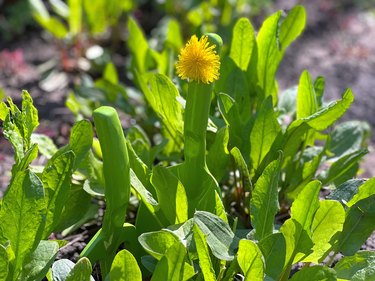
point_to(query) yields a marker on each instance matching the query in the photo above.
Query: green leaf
(56, 179)
(358, 226)
(60, 8)
(316, 273)
(250, 259)
(329, 114)
(328, 221)
(162, 96)
(60, 269)
(205, 262)
(306, 98)
(138, 45)
(81, 271)
(45, 144)
(78, 209)
(365, 190)
(81, 140)
(219, 236)
(345, 191)
(264, 203)
(348, 137)
(343, 166)
(218, 154)
(273, 248)
(53, 26)
(75, 16)
(38, 8)
(297, 241)
(319, 85)
(350, 267)
(157, 243)
(171, 195)
(171, 266)
(110, 73)
(243, 40)
(4, 264)
(272, 40)
(37, 264)
(125, 267)
(4, 111)
(263, 133)
(29, 118)
(269, 54)
(22, 216)
(146, 196)
(292, 26)
(304, 207)
(242, 167)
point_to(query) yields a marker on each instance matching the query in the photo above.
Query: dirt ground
(338, 44)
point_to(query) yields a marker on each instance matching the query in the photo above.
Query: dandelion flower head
(198, 61)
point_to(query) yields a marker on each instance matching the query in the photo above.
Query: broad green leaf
(81, 140)
(171, 195)
(45, 144)
(75, 16)
(345, 191)
(205, 262)
(269, 53)
(22, 216)
(348, 267)
(329, 114)
(157, 243)
(60, 269)
(242, 43)
(339, 170)
(292, 26)
(250, 259)
(125, 267)
(273, 248)
(96, 16)
(56, 179)
(316, 273)
(219, 236)
(146, 196)
(263, 133)
(37, 264)
(4, 264)
(171, 265)
(162, 96)
(78, 209)
(304, 207)
(138, 45)
(234, 82)
(365, 190)
(328, 221)
(306, 98)
(81, 271)
(264, 203)
(348, 137)
(272, 40)
(358, 226)
(298, 245)
(218, 154)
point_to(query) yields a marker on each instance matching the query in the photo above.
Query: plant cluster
(224, 180)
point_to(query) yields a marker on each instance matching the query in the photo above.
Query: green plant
(228, 185)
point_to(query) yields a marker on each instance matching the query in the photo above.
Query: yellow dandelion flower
(198, 61)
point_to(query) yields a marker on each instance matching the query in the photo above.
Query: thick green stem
(196, 119)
